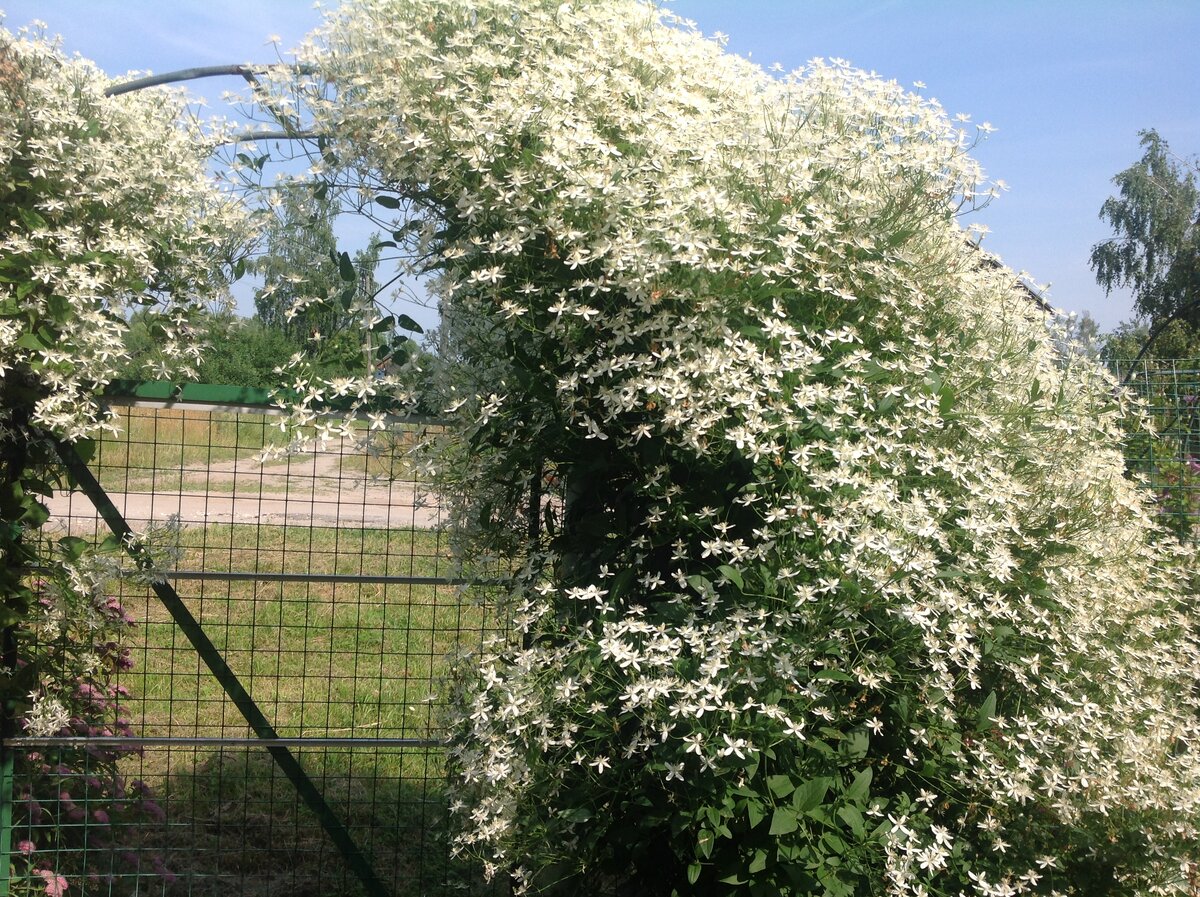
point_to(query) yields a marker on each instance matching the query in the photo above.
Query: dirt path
(307, 489)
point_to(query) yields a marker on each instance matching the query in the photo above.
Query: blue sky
(1067, 83)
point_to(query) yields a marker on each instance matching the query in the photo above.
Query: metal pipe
(117, 741)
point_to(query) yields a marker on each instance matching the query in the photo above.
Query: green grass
(161, 438)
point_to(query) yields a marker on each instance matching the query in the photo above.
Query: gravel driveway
(312, 488)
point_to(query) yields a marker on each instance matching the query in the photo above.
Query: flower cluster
(839, 586)
(107, 206)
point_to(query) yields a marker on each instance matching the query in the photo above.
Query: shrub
(72, 802)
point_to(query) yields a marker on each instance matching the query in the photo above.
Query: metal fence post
(6, 796)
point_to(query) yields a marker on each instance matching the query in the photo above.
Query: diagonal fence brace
(87, 483)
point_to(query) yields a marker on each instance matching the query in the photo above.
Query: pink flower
(55, 883)
(154, 811)
(26, 846)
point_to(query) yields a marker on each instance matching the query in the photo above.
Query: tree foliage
(299, 265)
(1156, 247)
(1175, 340)
(237, 351)
(312, 292)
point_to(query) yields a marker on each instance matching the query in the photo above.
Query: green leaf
(1055, 548)
(946, 400)
(32, 219)
(388, 202)
(758, 862)
(853, 818)
(59, 308)
(732, 574)
(693, 873)
(834, 886)
(810, 794)
(950, 573)
(754, 813)
(346, 268)
(85, 449)
(835, 844)
(780, 786)
(39, 486)
(253, 164)
(705, 841)
(72, 547)
(404, 322)
(35, 514)
(32, 341)
(861, 786)
(987, 712)
(784, 821)
(856, 744)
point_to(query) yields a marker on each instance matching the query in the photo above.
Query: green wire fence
(274, 721)
(1166, 455)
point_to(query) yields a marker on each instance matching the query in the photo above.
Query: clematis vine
(841, 588)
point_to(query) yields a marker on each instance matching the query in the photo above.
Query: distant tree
(245, 352)
(237, 351)
(1156, 247)
(1177, 339)
(311, 291)
(1081, 332)
(299, 266)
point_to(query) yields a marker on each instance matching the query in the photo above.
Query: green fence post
(8, 728)
(6, 817)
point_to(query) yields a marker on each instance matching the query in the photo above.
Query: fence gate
(275, 725)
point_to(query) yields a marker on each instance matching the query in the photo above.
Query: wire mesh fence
(1167, 454)
(287, 739)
